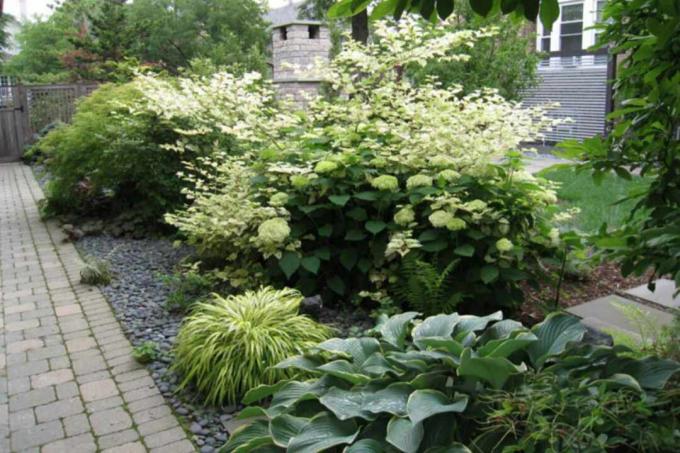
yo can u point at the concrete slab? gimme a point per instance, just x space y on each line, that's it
602 311
663 293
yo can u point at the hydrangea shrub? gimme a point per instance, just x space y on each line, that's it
331 199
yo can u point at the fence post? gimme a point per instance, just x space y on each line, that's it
21 98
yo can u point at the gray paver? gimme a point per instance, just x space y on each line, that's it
664 293
67 382
604 311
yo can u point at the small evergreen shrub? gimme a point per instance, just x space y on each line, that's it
95 272
230 345
438 384
146 352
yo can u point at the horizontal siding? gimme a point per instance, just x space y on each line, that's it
582 95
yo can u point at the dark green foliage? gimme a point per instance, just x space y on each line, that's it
505 62
95 272
107 161
645 132
431 385
5 21
344 226
433 9
188 286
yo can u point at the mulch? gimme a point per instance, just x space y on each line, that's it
603 280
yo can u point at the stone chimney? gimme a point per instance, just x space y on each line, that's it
296 47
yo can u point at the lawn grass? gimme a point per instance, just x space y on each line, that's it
596 202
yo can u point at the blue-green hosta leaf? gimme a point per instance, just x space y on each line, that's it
346 404
295 391
441 343
284 427
423 404
421 361
554 334
322 432
365 446
262 391
470 323
248 437
359 349
435 326
300 362
395 329
251 412
344 370
495 371
506 346
499 330
391 399
621 380
377 365
650 372
430 380
405 435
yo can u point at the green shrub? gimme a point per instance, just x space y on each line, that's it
330 200
187 287
425 385
230 345
109 160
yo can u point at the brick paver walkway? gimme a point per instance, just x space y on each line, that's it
67 381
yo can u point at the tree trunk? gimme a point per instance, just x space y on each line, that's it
360 27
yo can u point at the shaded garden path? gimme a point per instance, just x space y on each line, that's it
68 382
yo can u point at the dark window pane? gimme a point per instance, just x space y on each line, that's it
572 28
545 45
572 12
571 44
546 32
600 7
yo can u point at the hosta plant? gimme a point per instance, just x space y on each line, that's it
422 385
230 345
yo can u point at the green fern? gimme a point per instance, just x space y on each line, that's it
426 288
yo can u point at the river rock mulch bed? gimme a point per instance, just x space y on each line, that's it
138 296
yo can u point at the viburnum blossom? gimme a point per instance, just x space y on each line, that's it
385 182
504 245
404 216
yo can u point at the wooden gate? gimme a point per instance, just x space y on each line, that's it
14 125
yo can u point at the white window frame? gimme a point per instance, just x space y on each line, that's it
589 19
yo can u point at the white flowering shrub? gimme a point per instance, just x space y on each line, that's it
330 200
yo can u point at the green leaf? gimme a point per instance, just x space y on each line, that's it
423 404
341 9
444 8
248 436
359 5
495 371
355 235
471 323
481 7
357 213
404 435
289 263
346 371
367 196
312 264
489 273
399 9
506 346
391 400
346 404
549 12
508 6
427 8
395 329
252 411
348 258
375 226
531 9
323 253
359 349
284 427
553 335
436 326
300 362
383 9
262 391
441 343
323 432
340 200
650 372
325 231
465 250
366 446
336 284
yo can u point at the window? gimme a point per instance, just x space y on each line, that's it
598 15
313 31
283 33
545 40
571 29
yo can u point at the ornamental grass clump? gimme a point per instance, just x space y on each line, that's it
230 345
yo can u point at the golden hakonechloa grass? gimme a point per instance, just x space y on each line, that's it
230 345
